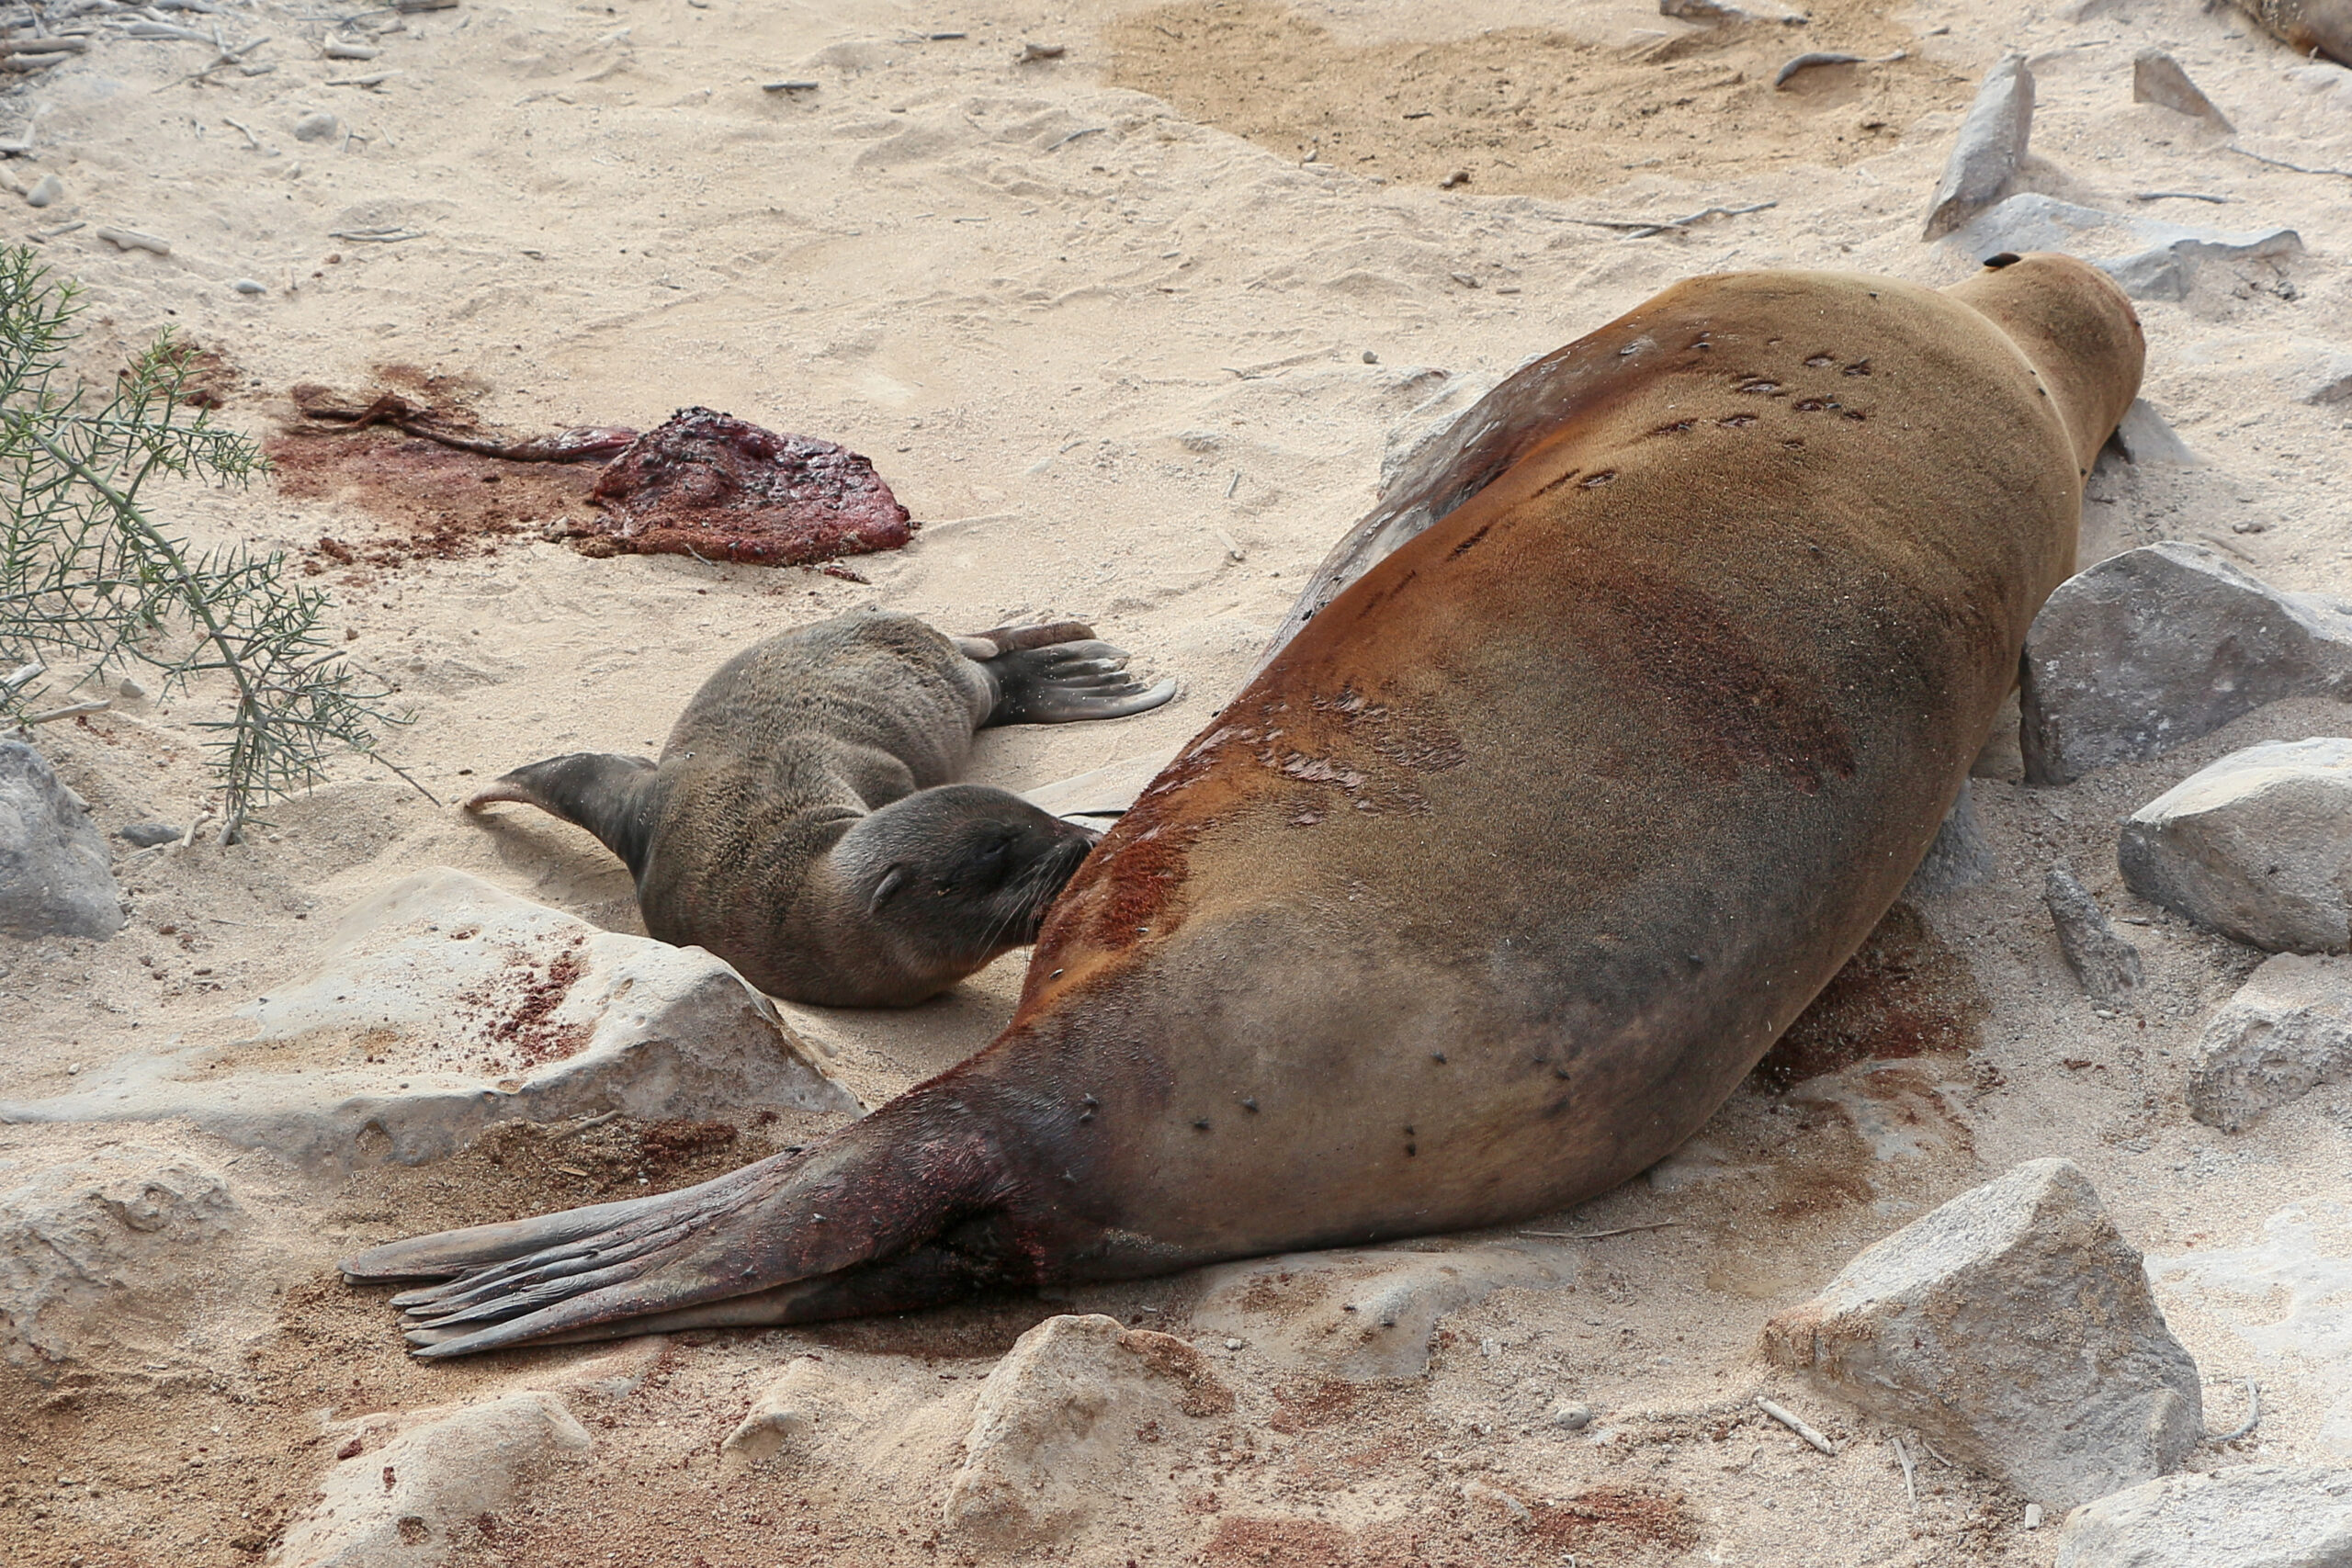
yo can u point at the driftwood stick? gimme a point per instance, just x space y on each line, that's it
1798 1425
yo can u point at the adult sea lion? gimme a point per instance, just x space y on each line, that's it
1486 891
801 822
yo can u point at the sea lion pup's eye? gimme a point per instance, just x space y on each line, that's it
2007 258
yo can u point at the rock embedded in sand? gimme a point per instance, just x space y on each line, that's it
708 484
2286 1031
784 1415
1362 1314
2148 258
444 1005
2143 436
417 1490
2257 846
2108 966
316 126
1052 1435
2157 78
2014 1327
54 878
2155 647
1960 858
2255 1516
1986 154
86 1246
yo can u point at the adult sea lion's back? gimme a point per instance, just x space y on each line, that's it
1490 886
1510 864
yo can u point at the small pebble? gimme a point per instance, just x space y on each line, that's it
45 191
1370 357
1573 1418
131 689
147 835
1030 51
316 126
1233 1343
1459 178
247 285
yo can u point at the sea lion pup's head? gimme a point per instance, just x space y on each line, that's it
944 880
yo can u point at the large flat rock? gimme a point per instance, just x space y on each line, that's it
2150 650
2286 1031
55 879
445 1004
2015 1327
2254 846
2257 1516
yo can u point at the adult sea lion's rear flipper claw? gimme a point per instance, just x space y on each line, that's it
1065 682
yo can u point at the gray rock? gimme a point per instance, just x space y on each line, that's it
2325 379
316 126
2107 965
147 835
2257 847
2286 1031
1572 1417
410 1496
47 191
2157 78
1362 1314
2254 1516
54 878
2143 436
2148 258
2155 647
444 1005
1723 13
85 1243
1984 155
1052 1435
2015 1329
1961 857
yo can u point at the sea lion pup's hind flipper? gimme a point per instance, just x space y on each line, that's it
1058 675
611 795
875 1193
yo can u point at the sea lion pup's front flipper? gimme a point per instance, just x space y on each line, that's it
848 1224
1057 673
611 795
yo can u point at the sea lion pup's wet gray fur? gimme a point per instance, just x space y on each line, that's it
801 823
1487 890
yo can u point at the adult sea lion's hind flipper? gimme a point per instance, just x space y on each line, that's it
850 1219
611 795
1062 682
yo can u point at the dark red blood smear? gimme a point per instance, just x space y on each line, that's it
709 485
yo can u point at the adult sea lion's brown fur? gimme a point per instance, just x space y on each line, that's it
1489 890
802 822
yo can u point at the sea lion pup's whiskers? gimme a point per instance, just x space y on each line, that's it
1534 839
801 822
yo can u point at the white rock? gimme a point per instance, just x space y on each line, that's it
2254 1516
1053 1435
2148 258
54 876
414 1494
2257 846
445 1004
2286 1031
783 1415
2151 649
248 286
316 126
88 1246
1984 154
46 191
1361 1314
2015 1329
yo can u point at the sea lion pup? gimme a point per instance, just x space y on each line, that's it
1489 888
801 823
